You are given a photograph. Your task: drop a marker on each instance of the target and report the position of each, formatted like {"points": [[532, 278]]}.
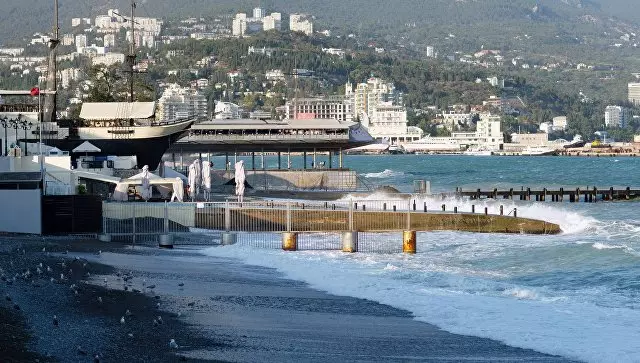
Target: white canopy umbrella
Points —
{"points": [[192, 175], [240, 178], [206, 179], [86, 147]]}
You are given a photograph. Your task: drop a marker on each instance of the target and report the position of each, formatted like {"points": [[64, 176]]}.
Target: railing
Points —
{"points": [[192, 221], [219, 137]]}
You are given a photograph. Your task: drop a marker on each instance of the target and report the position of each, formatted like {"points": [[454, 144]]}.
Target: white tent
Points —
{"points": [[86, 147]]}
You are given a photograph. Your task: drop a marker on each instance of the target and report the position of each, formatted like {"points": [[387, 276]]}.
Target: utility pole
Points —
{"points": [[52, 74], [131, 57]]}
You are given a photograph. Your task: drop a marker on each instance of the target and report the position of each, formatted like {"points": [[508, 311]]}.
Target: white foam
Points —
{"points": [[467, 305], [602, 246], [387, 173]]}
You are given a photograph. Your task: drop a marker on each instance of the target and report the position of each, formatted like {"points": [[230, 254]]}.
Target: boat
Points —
{"points": [[478, 151], [433, 144], [575, 143], [538, 151], [116, 128], [397, 150]]}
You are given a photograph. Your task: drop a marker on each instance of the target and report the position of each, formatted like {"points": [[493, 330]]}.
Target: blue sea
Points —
{"points": [[576, 294]]}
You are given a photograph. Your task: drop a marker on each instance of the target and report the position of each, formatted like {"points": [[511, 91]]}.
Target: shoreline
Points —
{"points": [[225, 310]]}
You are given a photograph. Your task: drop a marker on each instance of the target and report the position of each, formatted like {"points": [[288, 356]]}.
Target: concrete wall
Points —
{"points": [[21, 211]]}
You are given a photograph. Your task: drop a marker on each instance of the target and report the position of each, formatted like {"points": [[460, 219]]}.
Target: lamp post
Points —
{"points": [[15, 125], [3, 122], [26, 126]]}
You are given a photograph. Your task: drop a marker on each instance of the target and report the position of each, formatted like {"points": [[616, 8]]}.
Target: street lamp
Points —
{"points": [[25, 126], [15, 124], [3, 122]]}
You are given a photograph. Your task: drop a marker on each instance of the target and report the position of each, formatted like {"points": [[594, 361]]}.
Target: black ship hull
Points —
{"points": [[148, 151]]}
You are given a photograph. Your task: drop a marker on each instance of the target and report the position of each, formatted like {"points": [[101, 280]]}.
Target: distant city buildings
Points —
{"points": [[226, 111], [179, 103], [634, 93], [243, 25], [331, 107], [616, 116], [301, 23]]}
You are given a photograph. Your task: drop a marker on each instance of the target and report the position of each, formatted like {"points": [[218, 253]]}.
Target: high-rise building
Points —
{"points": [[615, 116], [178, 103], [258, 13], [634, 93], [300, 23], [331, 107], [431, 52], [239, 26], [81, 41], [367, 96]]}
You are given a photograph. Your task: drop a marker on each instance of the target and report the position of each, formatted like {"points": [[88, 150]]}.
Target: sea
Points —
{"points": [[576, 294]]}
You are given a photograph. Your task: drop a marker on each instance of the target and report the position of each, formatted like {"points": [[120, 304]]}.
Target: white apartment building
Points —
{"points": [[81, 41], [258, 13], [615, 116], [634, 93], [560, 123], [488, 135], [331, 107], [67, 39], [389, 123], [114, 21], [489, 131], [335, 51], [431, 53], [239, 25], [68, 75], [108, 59], [109, 40], [226, 111], [453, 120], [272, 22], [366, 96], [178, 103], [301, 23]]}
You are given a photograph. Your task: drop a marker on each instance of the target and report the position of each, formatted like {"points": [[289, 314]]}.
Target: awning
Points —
{"points": [[86, 147], [117, 110]]}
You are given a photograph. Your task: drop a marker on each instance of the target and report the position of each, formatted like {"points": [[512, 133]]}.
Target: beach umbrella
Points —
{"points": [[206, 178], [192, 176]]}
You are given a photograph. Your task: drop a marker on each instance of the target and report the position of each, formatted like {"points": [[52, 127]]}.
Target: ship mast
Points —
{"points": [[49, 113], [131, 57]]}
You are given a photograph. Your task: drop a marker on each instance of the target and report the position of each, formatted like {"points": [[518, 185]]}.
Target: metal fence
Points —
{"points": [[259, 224]]}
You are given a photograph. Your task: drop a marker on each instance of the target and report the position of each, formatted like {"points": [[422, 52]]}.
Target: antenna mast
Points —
{"points": [[49, 114], [131, 57]]}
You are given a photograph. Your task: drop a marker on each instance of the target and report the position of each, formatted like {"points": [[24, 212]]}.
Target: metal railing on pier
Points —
{"points": [[320, 223]]}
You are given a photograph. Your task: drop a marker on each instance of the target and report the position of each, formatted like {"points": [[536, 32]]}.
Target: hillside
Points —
{"points": [[548, 26]]}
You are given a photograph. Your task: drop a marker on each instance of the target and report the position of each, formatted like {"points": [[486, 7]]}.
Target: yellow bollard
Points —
{"points": [[290, 241], [409, 242]]}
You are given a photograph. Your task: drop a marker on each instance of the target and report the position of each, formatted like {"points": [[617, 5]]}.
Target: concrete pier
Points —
{"points": [[588, 195]]}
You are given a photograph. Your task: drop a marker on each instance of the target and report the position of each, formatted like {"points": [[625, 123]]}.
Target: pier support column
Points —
{"points": [[409, 240], [253, 160], [262, 159], [165, 241], [229, 238], [290, 241], [315, 162], [350, 241], [288, 158], [304, 161], [226, 161], [279, 160], [340, 159], [330, 159]]}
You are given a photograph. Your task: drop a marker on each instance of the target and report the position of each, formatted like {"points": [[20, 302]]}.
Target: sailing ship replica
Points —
{"points": [[116, 128]]}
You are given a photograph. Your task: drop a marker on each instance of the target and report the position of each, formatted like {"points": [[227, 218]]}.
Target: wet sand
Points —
{"points": [[216, 310]]}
